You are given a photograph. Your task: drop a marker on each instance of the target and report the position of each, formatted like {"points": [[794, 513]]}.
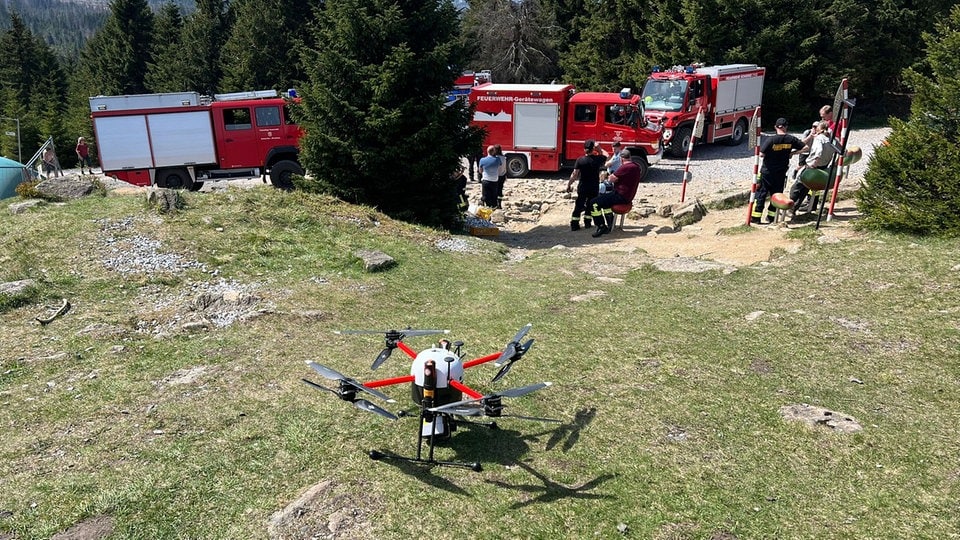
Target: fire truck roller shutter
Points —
{"points": [[281, 174], [739, 133], [177, 178], [517, 166]]}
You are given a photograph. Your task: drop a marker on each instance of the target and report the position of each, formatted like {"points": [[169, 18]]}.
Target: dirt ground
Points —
{"points": [[655, 236]]}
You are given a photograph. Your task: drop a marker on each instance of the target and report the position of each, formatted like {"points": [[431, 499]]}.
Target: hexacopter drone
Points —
{"points": [[436, 386]]}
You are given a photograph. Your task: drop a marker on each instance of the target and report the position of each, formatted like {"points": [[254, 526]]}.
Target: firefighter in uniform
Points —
{"points": [[776, 151], [586, 171]]}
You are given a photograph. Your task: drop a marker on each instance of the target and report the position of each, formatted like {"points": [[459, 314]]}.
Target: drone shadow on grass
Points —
{"points": [[425, 473], [550, 491], [569, 434]]}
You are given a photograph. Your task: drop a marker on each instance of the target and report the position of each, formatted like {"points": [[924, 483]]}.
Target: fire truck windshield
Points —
{"points": [[664, 95]]}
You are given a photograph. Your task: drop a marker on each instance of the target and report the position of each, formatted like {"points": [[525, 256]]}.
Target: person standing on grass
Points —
{"points": [[776, 152], [489, 186], [625, 183], [586, 171]]}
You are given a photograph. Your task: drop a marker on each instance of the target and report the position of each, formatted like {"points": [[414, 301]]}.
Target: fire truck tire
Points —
{"points": [[681, 142], [739, 133], [642, 163], [281, 174], [175, 179], [517, 166]]}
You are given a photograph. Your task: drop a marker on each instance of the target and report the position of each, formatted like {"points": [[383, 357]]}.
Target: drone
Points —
{"points": [[436, 387]]}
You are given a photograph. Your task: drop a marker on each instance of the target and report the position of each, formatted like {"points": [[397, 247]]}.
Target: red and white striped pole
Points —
{"points": [[755, 142], [844, 129], [697, 132]]}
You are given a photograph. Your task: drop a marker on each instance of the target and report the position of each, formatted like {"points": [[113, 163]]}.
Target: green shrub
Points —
{"points": [[911, 184]]}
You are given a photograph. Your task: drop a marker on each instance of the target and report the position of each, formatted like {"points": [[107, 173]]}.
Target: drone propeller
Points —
{"points": [[518, 354], [361, 403], [391, 339], [409, 332], [511, 348], [334, 375], [365, 405], [467, 410]]}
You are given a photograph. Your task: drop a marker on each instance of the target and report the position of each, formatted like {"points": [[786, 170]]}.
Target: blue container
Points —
{"points": [[11, 174]]}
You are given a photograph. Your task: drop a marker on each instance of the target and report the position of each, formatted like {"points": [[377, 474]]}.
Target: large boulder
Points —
{"points": [[65, 188]]}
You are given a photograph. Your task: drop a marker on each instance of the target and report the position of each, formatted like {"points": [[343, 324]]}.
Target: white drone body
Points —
{"points": [[448, 366]]}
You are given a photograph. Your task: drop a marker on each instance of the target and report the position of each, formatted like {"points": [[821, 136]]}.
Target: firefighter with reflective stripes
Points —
{"points": [[776, 152]]}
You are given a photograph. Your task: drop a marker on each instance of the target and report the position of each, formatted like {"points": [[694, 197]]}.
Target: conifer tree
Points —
{"points": [[262, 50], [115, 59], [521, 46], [166, 72], [377, 129], [204, 32], [911, 183], [32, 89]]}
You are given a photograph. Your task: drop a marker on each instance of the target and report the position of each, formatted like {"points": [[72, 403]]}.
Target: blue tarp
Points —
{"points": [[11, 174]]}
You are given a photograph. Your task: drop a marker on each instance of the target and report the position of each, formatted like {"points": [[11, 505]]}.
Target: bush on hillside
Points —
{"points": [[911, 183]]}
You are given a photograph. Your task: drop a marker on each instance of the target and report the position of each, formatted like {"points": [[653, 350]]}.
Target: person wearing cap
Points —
{"points": [[776, 152], [586, 171], [625, 183], [614, 162]]}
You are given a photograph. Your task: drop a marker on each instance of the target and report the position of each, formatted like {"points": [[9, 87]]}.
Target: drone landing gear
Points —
{"points": [[376, 455]]}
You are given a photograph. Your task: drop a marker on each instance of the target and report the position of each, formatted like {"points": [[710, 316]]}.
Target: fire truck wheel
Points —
{"points": [[739, 133], [281, 174], [642, 163], [681, 142], [517, 166], [175, 179]]}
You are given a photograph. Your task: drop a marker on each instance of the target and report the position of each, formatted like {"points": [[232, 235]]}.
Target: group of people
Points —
{"points": [[620, 173], [51, 165], [603, 180], [493, 176], [608, 179], [815, 150]]}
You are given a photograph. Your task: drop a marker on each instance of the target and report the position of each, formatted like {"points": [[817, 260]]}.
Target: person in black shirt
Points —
{"points": [[587, 172], [776, 152]]}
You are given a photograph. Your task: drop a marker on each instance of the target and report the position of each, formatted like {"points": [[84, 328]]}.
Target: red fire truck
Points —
{"points": [[179, 140], [727, 94], [542, 127]]}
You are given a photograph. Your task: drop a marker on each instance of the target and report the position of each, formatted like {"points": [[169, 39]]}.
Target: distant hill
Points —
{"points": [[66, 24]]}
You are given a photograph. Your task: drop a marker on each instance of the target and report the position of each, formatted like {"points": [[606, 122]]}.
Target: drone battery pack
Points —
{"points": [[436, 427]]}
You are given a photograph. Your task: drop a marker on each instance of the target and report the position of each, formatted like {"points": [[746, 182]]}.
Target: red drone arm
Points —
{"points": [[481, 360], [465, 389], [403, 347], [388, 382]]}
